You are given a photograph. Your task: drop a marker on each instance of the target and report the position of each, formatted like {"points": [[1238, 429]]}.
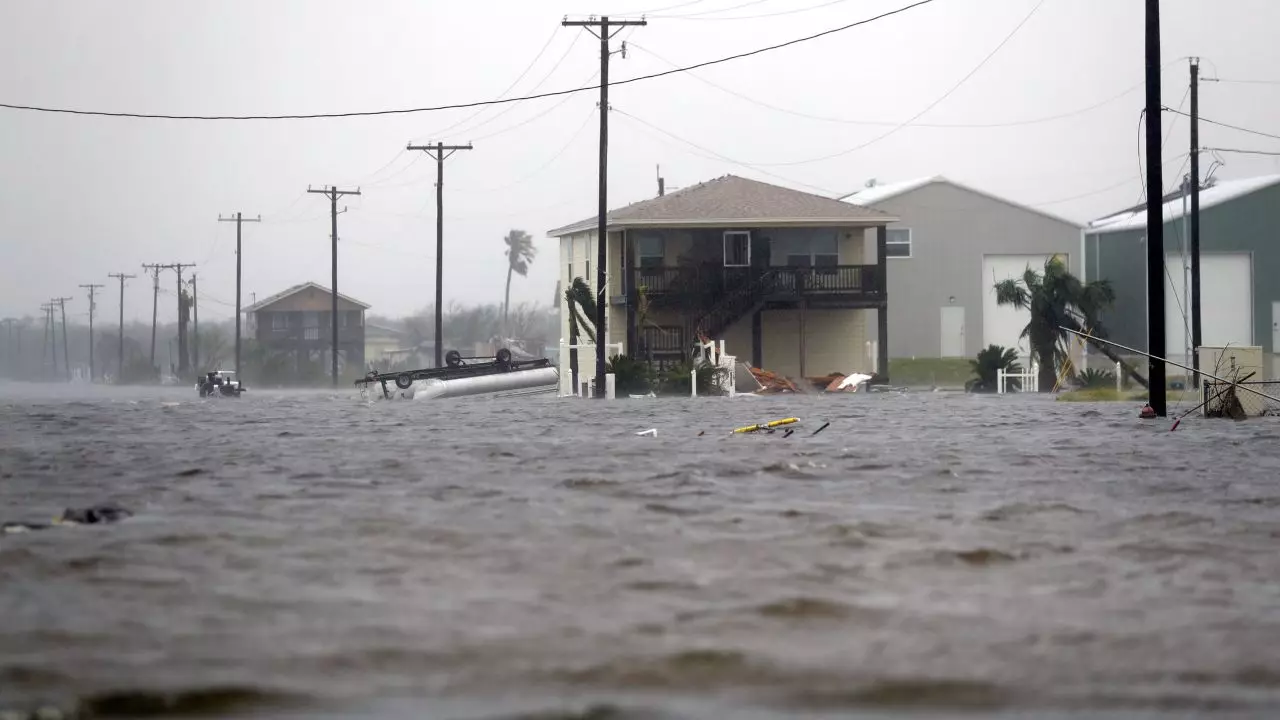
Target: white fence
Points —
{"points": [[1030, 379], [586, 379]]}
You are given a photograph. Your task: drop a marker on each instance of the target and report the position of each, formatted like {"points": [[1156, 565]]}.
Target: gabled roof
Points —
{"points": [[733, 201], [1223, 191], [295, 290], [879, 193]]}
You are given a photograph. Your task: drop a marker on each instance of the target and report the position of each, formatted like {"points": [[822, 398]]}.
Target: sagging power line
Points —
{"points": [[499, 101]]}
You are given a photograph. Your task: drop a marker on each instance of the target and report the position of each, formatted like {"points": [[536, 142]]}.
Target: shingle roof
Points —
{"points": [[1221, 192], [296, 289], [733, 200]]}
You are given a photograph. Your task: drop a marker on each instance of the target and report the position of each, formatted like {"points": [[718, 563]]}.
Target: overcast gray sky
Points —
{"points": [[85, 196]]}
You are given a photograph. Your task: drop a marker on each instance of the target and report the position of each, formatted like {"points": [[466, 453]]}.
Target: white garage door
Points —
{"points": [[1003, 325], [1226, 303]]}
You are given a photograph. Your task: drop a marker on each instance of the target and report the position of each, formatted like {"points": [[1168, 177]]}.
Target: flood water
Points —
{"points": [[316, 555]]}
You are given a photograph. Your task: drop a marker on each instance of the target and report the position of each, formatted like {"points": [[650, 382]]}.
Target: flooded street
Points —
{"points": [[313, 554]]}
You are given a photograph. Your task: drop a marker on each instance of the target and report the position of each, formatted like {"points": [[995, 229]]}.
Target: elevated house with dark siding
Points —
{"points": [[792, 282], [298, 322]]}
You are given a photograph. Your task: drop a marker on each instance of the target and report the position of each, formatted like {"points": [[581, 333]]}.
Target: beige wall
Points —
{"points": [[835, 341]]}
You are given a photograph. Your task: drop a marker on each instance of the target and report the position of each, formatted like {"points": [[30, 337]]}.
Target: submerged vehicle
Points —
{"points": [[468, 376], [219, 383]]}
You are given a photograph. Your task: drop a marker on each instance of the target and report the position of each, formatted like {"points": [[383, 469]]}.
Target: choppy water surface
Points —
{"points": [[314, 555]]}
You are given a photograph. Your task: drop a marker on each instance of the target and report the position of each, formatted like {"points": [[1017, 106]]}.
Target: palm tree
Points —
{"points": [[581, 304], [1057, 299], [520, 253]]}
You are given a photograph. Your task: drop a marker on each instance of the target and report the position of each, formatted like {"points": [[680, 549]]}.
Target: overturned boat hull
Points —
{"points": [[436, 388]]}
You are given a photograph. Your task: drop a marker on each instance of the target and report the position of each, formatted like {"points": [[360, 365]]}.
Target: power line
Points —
{"points": [[1244, 152], [929, 107], [1225, 125], [1241, 82], [713, 155], [889, 123], [479, 103], [796, 11]]}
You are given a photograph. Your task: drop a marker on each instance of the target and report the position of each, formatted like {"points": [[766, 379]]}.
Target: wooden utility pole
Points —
{"points": [[120, 362], [238, 220], [333, 193], [48, 348], [8, 347], [607, 29], [1196, 338], [155, 304], [92, 288], [195, 309], [1155, 220], [66, 352], [439, 152], [183, 357]]}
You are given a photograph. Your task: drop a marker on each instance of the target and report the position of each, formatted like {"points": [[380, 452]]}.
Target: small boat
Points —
{"points": [[219, 383], [468, 376]]}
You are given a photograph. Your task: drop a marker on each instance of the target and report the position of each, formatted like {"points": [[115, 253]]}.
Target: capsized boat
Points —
{"points": [[463, 376]]}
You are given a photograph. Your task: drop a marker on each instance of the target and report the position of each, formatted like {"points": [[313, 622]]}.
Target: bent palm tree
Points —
{"points": [[520, 253], [581, 304], [1057, 299]]}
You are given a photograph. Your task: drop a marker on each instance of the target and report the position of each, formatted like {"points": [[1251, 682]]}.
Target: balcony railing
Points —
{"points": [[859, 281], [662, 340]]}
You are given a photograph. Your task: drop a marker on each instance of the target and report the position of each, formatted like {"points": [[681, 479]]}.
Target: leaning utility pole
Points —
{"points": [[66, 353], [92, 288], [438, 153], [238, 220], [120, 368], [195, 309], [1155, 219], [602, 237], [333, 193], [155, 303], [1195, 221]]}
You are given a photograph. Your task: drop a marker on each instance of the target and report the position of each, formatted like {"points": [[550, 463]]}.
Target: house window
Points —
{"points": [[310, 320], [825, 249], [587, 274], [649, 251], [737, 248], [279, 321], [569, 281], [898, 243]]}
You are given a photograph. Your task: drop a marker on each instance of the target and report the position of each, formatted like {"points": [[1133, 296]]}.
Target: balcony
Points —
{"points": [[675, 284]]}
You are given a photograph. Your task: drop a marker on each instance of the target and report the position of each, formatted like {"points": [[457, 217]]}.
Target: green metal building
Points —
{"points": [[1239, 269]]}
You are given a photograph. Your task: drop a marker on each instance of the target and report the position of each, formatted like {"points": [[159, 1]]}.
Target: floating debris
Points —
{"points": [[766, 426], [651, 432], [93, 515]]}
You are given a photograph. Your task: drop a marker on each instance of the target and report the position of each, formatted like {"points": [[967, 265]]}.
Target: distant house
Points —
{"points": [[384, 344], [1239, 269], [792, 282], [298, 322], [949, 247]]}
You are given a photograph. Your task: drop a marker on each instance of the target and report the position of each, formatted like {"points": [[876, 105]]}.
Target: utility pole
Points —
{"points": [[1155, 220], [333, 193], [8, 347], [607, 29], [47, 308], [238, 220], [92, 288], [155, 303], [183, 357], [195, 309], [1196, 338], [66, 353], [439, 152], [120, 368]]}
